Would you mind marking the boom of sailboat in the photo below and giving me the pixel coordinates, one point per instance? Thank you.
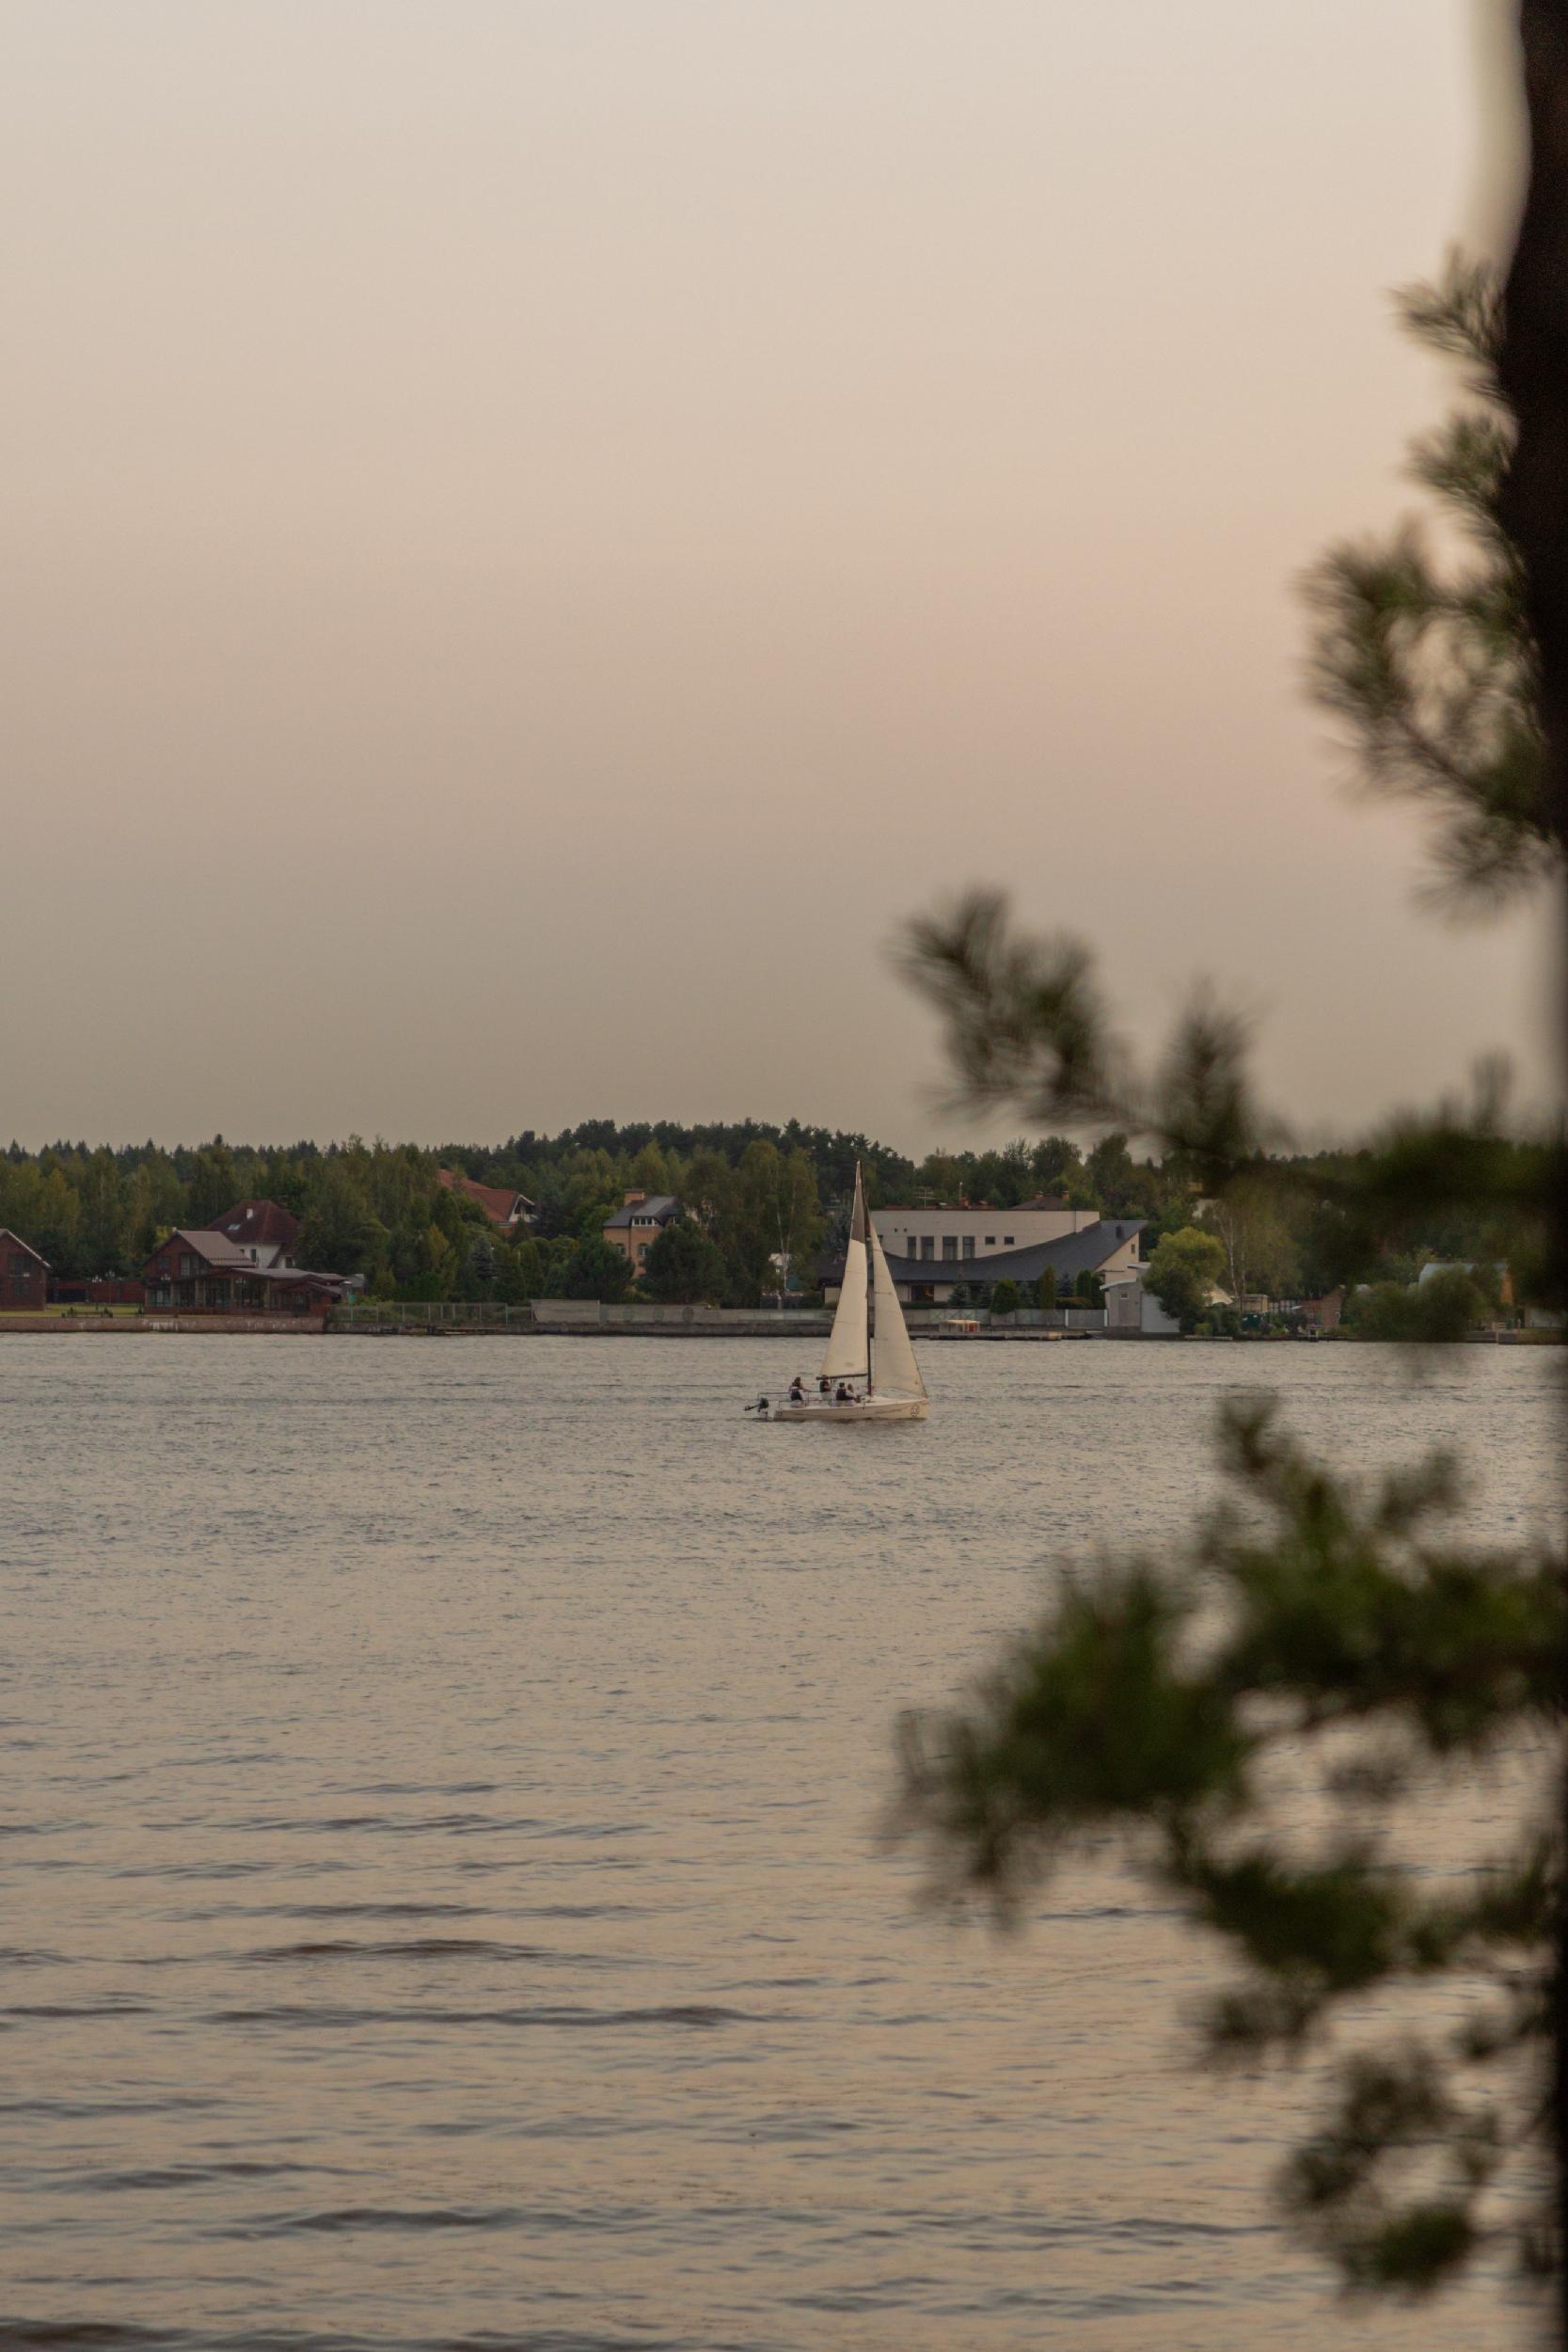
(869, 1344)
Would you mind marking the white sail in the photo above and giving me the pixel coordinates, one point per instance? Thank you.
(846, 1341)
(868, 1343)
(850, 1341)
(897, 1373)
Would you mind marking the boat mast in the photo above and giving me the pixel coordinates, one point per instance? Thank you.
(870, 1280)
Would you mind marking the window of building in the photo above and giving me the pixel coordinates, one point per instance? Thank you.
(949, 1245)
(969, 1244)
(1006, 1241)
(928, 1246)
(990, 1241)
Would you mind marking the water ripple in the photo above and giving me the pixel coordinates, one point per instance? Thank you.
(312, 1802)
(696, 2015)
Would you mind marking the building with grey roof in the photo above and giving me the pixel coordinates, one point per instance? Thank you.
(1109, 1247)
(638, 1222)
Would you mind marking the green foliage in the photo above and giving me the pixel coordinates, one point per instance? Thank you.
(1351, 1654)
(477, 1266)
(57, 1219)
(434, 1265)
(366, 1208)
(1056, 1166)
(1443, 1308)
(594, 1270)
(766, 1219)
(1254, 1220)
(1026, 1029)
(942, 1177)
(1005, 1298)
(684, 1267)
(1426, 657)
(213, 1184)
(519, 1273)
(1002, 1178)
(537, 1164)
(154, 1205)
(1045, 1288)
(1088, 1289)
(339, 1234)
(1183, 1272)
(1111, 1177)
(102, 1221)
(1348, 1651)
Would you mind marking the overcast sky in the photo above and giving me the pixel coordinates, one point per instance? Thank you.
(535, 533)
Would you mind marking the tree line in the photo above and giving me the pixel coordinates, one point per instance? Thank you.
(760, 1203)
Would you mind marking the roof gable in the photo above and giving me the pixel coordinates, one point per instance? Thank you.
(256, 1224)
(500, 1205)
(214, 1250)
(655, 1208)
(17, 1243)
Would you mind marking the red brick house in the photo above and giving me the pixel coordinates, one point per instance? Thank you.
(24, 1275)
(206, 1273)
(266, 1231)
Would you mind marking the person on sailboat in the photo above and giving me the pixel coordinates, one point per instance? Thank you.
(797, 1390)
(824, 1386)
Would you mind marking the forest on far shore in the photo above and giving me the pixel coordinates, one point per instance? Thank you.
(752, 1194)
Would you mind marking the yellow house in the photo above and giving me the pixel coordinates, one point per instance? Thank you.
(639, 1219)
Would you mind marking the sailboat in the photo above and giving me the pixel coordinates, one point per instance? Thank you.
(869, 1341)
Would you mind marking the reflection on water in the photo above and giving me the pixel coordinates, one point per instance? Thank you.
(439, 1900)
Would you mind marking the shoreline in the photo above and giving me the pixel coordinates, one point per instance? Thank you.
(758, 1327)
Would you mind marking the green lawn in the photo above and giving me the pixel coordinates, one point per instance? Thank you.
(68, 1315)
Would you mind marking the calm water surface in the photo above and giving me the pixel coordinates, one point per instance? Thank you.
(441, 1905)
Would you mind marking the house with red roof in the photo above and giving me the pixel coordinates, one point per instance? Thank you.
(511, 1212)
(263, 1229)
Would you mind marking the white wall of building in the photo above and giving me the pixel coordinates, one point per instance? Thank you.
(1130, 1307)
(903, 1232)
(934, 1281)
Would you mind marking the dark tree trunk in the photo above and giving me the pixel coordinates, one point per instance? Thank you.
(1534, 371)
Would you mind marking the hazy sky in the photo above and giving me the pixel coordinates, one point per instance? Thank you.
(534, 533)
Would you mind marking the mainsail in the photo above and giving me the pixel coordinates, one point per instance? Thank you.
(847, 1353)
(896, 1374)
(869, 1340)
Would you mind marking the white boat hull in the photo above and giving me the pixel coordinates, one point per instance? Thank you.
(871, 1408)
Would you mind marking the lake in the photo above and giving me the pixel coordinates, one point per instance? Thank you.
(443, 1903)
